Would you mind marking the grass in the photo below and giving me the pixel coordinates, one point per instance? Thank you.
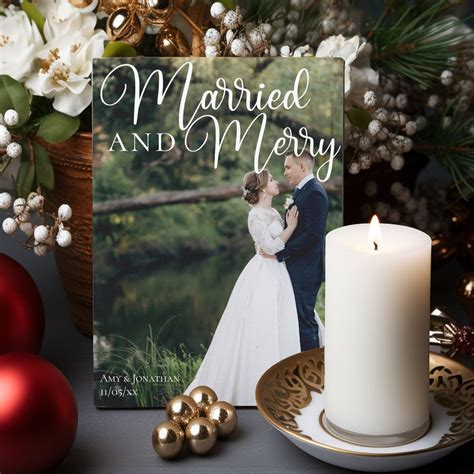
(151, 361)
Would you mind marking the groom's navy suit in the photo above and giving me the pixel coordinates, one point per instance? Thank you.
(304, 257)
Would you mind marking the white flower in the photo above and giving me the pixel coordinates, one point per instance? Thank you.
(20, 39)
(288, 202)
(358, 75)
(65, 69)
(63, 18)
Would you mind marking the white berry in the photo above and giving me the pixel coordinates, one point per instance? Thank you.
(370, 99)
(218, 10)
(64, 238)
(375, 126)
(237, 47)
(40, 249)
(9, 225)
(446, 78)
(11, 118)
(18, 206)
(5, 137)
(256, 38)
(232, 20)
(397, 162)
(212, 37)
(41, 233)
(64, 212)
(14, 150)
(354, 167)
(211, 52)
(27, 228)
(285, 51)
(5, 200)
(23, 216)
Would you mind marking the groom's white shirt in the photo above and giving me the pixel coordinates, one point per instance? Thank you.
(305, 180)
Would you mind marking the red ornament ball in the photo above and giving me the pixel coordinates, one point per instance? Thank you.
(38, 414)
(21, 309)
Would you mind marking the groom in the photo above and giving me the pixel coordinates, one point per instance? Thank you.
(304, 251)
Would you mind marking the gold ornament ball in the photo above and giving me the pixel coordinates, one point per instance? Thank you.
(442, 248)
(168, 439)
(182, 409)
(125, 25)
(465, 294)
(224, 416)
(204, 398)
(172, 42)
(201, 435)
(109, 6)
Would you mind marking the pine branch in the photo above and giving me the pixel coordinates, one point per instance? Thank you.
(417, 46)
(453, 148)
(261, 10)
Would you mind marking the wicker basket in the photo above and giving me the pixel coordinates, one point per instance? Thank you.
(72, 162)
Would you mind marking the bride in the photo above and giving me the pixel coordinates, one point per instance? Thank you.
(259, 325)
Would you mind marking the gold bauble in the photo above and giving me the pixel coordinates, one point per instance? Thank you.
(159, 12)
(168, 439)
(109, 6)
(465, 247)
(201, 435)
(204, 398)
(465, 294)
(125, 25)
(224, 416)
(171, 42)
(442, 248)
(182, 409)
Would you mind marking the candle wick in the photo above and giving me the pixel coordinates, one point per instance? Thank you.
(376, 247)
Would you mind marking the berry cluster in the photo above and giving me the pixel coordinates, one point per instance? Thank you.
(42, 236)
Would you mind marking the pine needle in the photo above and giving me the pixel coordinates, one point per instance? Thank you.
(417, 47)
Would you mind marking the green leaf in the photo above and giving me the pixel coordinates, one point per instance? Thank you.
(4, 162)
(57, 127)
(229, 4)
(25, 178)
(119, 49)
(34, 15)
(359, 117)
(13, 95)
(44, 168)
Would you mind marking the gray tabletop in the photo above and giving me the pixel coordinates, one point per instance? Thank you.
(118, 441)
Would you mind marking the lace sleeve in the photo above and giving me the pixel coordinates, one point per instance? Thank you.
(259, 228)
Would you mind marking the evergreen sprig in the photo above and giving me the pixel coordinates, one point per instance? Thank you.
(416, 47)
(453, 148)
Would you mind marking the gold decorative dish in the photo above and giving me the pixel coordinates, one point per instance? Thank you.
(290, 396)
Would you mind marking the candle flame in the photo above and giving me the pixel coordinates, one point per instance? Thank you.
(375, 234)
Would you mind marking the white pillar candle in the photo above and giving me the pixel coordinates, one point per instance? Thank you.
(377, 330)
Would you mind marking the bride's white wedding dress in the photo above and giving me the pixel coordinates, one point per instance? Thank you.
(259, 325)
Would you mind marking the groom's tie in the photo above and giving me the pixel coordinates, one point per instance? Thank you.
(295, 193)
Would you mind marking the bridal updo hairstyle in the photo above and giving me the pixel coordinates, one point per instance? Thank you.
(253, 183)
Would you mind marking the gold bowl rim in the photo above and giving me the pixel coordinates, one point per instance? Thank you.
(438, 359)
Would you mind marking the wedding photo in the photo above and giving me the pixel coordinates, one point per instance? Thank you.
(209, 275)
(250, 223)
